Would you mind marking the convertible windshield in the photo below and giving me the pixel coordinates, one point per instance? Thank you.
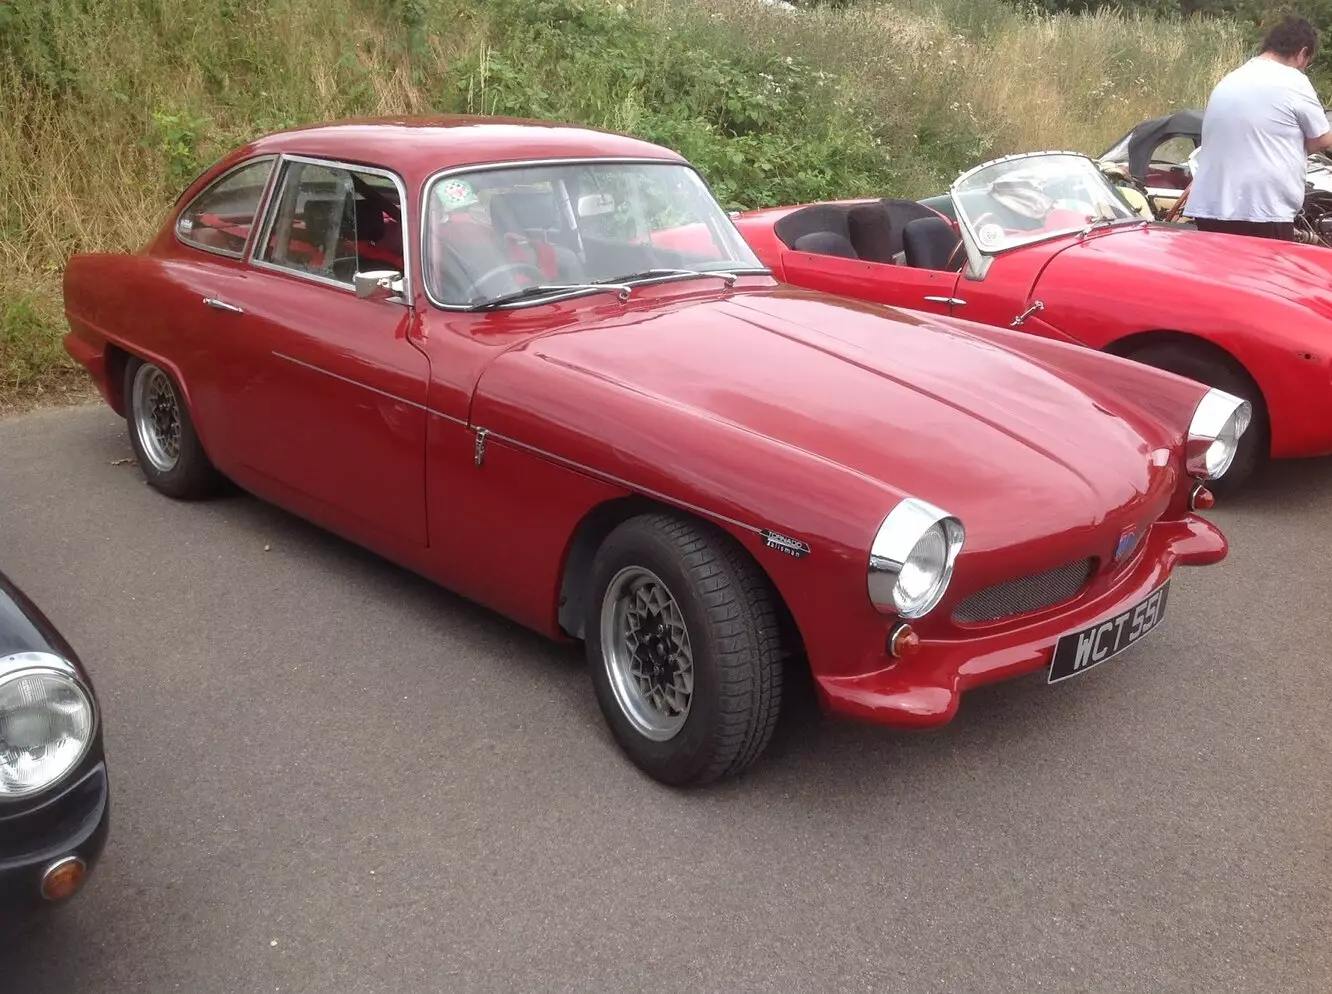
(534, 232)
(1011, 202)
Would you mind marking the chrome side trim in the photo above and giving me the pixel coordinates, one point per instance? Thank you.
(276, 182)
(484, 435)
(366, 386)
(618, 481)
(260, 209)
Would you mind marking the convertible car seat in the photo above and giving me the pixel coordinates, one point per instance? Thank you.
(870, 227)
(931, 243)
(826, 243)
(377, 243)
(523, 220)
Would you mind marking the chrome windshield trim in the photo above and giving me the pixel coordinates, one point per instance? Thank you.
(592, 160)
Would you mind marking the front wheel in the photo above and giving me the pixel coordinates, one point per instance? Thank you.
(684, 649)
(1255, 443)
(162, 434)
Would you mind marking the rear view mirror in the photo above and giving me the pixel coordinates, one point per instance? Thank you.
(380, 283)
(595, 204)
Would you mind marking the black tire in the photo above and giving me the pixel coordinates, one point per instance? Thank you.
(730, 613)
(1198, 363)
(191, 475)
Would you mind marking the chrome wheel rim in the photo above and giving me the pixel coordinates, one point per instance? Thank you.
(647, 653)
(157, 418)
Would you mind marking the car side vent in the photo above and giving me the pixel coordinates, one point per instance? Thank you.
(1025, 593)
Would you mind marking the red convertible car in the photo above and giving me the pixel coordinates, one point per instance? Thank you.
(1042, 242)
(539, 365)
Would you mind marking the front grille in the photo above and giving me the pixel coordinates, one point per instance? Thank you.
(1025, 593)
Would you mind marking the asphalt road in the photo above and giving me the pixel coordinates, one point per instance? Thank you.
(331, 777)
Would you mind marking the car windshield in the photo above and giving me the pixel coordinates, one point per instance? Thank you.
(535, 232)
(1012, 202)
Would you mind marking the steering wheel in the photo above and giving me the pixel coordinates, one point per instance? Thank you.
(988, 219)
(506, 269)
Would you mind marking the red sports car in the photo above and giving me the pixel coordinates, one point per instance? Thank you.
(1043, 243)
(539, 365)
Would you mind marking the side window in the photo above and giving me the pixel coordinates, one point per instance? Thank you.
(1174, 150)
(333, 222)
(221, 217)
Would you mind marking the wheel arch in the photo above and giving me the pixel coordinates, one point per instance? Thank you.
(604, 518)
(116, 361)
(1124, 347)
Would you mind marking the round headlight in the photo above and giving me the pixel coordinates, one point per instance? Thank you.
(1214, 433)
(911, 558)
(46, 725)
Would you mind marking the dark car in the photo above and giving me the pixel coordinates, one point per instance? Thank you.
(54, 789)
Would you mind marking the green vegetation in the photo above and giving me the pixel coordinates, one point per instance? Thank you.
(107, 107)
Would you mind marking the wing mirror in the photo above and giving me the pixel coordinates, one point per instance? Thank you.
(595, 205)
(386, 284)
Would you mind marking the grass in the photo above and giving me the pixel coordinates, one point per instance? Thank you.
(107, 107)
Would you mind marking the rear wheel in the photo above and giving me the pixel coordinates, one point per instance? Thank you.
(162, 435)
(1198, 364)
(684, 649)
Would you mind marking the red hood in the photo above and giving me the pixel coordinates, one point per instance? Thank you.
(1298, 273)
(886, 398)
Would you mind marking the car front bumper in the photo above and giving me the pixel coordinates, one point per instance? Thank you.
(923, 690)
(74, 823)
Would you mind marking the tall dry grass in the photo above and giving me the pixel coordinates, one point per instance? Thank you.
(108, 107)
(980, 78)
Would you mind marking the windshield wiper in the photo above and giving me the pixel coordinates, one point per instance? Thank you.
(543, 289)
(1110, 222)
(663, 275)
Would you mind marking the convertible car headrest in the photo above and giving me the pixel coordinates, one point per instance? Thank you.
(870, 227)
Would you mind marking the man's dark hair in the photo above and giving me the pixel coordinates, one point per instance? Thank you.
(1291, 34)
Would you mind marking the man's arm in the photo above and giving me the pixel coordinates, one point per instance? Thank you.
(1313, 120)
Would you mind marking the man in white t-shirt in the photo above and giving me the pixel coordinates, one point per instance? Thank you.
(1261, 122)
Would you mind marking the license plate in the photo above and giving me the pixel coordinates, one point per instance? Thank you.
(1077, 652)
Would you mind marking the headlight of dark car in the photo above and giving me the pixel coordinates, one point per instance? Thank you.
(912, 556)
(1214, 433)
(47, 721)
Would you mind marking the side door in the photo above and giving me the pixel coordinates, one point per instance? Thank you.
(330, 402)
(1009, 294)
(897, 286)
(205, 270)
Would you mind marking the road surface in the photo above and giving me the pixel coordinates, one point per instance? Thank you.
(331, 777)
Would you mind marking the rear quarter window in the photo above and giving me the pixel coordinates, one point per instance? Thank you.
(220, 218)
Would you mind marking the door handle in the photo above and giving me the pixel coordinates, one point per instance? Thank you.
(1035, 306)
(222, 305)
(951, 301)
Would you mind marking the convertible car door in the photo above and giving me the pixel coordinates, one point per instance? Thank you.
(331, 404)
(1010, 294)
(898, 286)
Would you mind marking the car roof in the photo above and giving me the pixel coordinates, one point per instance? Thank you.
(427, 144)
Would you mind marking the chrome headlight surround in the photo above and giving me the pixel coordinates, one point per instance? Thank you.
(901, 546)
(58, 673)
(1219, 421)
